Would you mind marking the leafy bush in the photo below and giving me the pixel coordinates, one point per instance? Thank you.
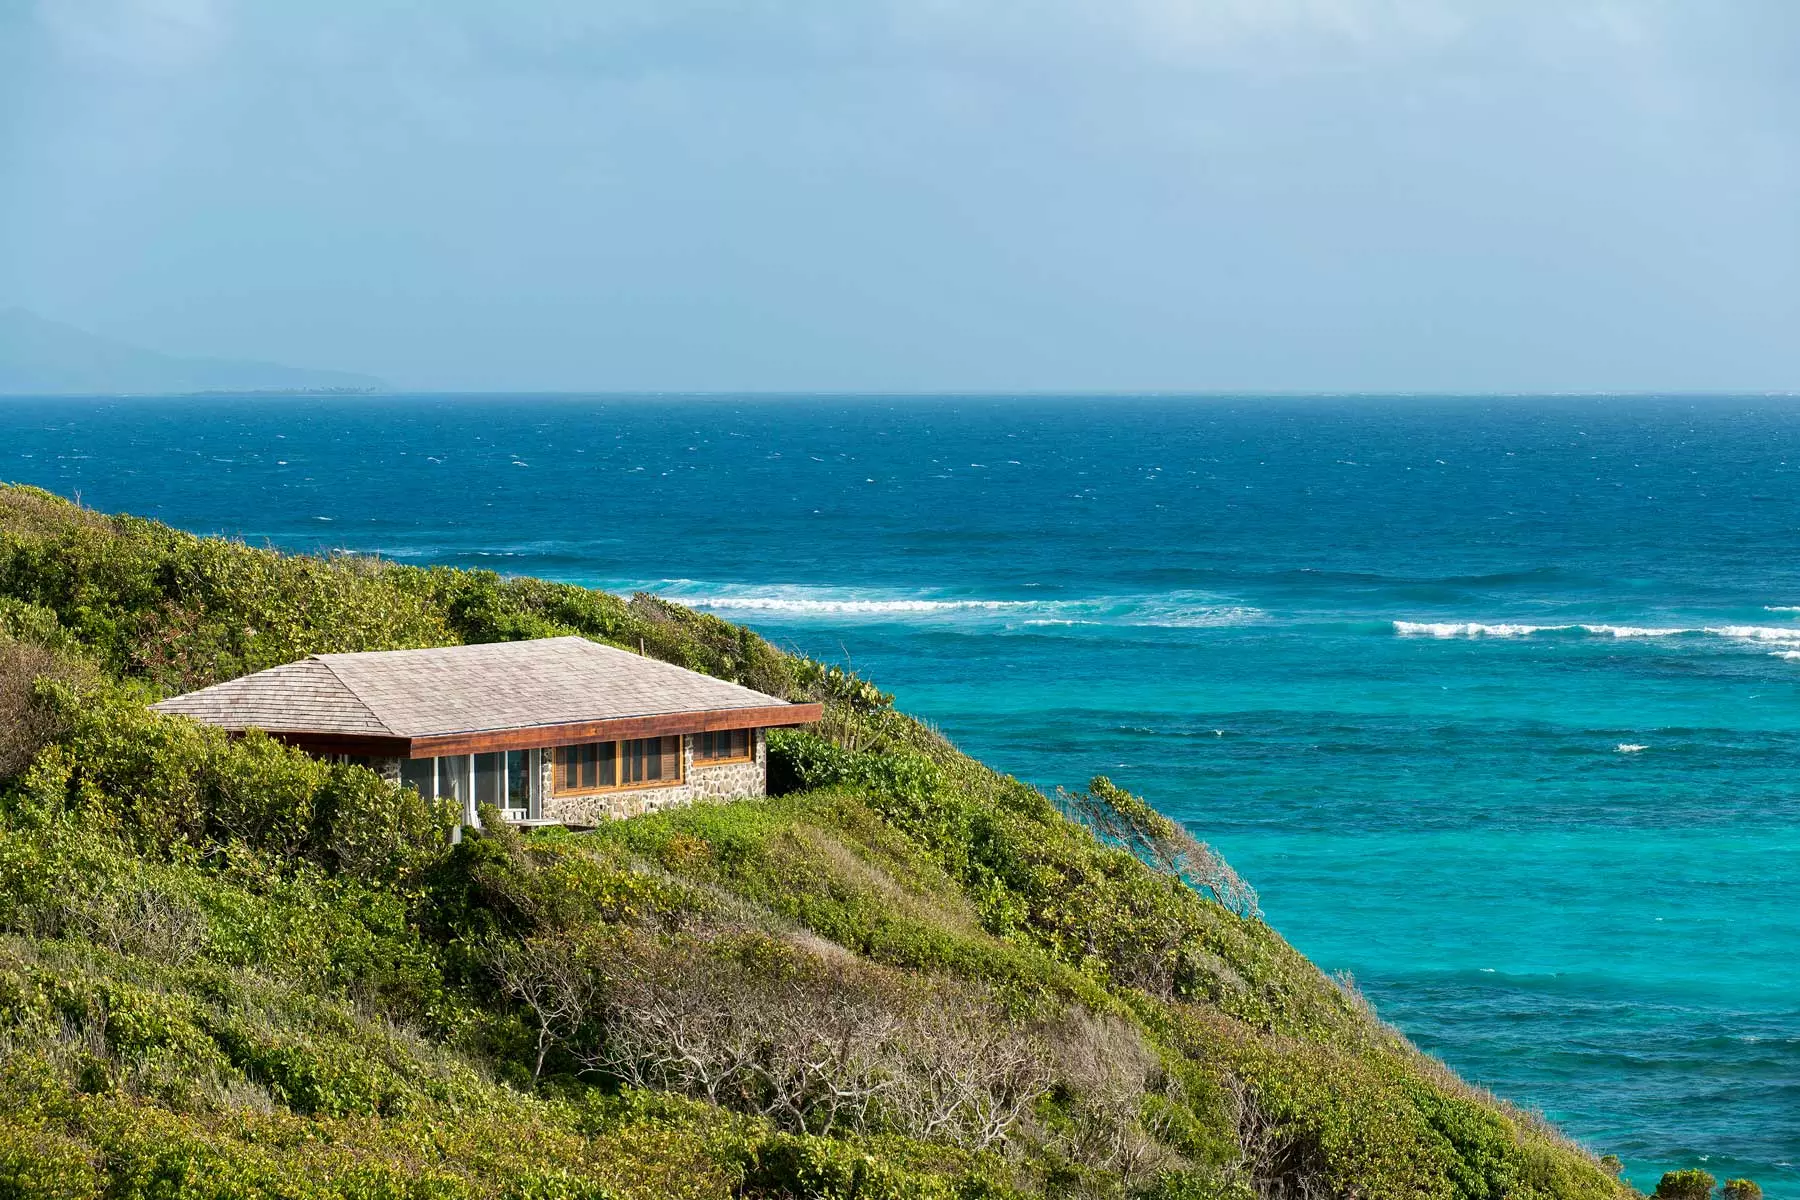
(166, 783)
(1742, 1189)
(1690, 1183)
(30, 718)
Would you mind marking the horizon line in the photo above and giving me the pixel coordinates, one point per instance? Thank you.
(919, 394)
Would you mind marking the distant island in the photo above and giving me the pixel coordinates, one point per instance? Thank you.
(41, 357)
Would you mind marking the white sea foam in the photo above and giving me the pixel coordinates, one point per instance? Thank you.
(1175, 616)
(1477, 629)
(1451, 629)
(1629, 748)
(820, 606)
(1759, 633)
(1174, 610)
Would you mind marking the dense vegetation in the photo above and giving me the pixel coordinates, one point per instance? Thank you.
(230, 970)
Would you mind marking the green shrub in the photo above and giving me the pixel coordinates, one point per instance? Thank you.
(815, 1168)
(167, 782)
(39, 1164)
(30, 716)
(1690, 1183)
(1742, 1189)
(800, 760)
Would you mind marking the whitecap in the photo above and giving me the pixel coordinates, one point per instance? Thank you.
(1758, 633)
(811, 605)
(1629, 748)
(1172, 610)
(1451, 629)
(1158, 616)
(1473, 629)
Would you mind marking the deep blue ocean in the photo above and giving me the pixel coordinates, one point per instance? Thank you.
(1496, 702)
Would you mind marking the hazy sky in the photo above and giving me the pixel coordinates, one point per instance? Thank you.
(918, 195)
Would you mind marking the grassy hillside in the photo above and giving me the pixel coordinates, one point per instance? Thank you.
(228, 970)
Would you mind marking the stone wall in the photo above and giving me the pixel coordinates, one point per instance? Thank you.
(727, 781)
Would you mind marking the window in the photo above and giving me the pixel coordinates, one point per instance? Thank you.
(500, 779)
(453, 779)
(415, 773)
(725, 745)
(602, 766)
(589, 768)
(518, 784)
(650, 760)
(453, 783)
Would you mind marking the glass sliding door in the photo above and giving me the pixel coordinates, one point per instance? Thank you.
(490, 779)
(518, 785)
(456, 783)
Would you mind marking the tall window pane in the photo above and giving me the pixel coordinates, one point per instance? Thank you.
(487, 779)
(518, 782)
(453, 779)
(416, 774)
(607, 756)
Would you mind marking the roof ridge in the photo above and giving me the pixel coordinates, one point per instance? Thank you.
(352, 693)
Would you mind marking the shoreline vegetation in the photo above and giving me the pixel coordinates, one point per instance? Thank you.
(230, 970)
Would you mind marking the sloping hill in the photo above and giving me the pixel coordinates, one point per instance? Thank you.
(42, 357)
(230, 970)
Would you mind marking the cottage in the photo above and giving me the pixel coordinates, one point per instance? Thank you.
(558, 729)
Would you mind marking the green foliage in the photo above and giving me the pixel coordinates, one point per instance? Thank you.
(1742, 1189)
(816, 1168)
(1690, 1183)
(168, 785)
(230, 970)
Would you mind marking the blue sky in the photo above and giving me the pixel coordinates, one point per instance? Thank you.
(1212, 195)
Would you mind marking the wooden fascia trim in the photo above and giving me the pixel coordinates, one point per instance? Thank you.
(612, 730)
(360, 745)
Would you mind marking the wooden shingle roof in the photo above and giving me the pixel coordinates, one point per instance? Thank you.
(562, 688)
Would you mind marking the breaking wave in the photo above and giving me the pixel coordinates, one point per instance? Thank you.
(1480, 629)
(847, 607)
(1174, 610)
(1450, 629)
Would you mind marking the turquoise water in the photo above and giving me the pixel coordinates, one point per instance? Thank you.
(1496, 703)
